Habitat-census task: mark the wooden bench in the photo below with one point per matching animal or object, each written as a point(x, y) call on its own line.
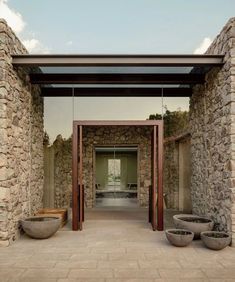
point(50, 212)
point(131, 185)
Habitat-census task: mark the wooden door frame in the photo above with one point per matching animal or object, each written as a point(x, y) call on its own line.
point(77, 168)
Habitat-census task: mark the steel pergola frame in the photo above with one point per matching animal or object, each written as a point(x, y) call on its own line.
point(200, 64)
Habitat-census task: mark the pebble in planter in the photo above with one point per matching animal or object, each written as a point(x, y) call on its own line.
point(194, 223)
point(215, 240)
point(40, 227)
point(179, 237)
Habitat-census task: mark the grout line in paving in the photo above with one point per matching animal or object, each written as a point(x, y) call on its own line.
point(204, 272)
point(219, 262)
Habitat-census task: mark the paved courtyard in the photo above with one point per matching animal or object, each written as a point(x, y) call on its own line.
point(113, 251)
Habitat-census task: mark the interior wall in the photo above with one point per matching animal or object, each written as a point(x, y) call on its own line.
point(101, 170)
point(131, 164)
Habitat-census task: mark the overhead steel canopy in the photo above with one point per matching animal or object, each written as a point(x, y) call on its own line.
point(117, 60)
point(117, 75)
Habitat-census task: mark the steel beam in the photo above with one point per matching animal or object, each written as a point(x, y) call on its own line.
point(117, 78)
point(115, 92)
point(117, 60)
point(117, 122)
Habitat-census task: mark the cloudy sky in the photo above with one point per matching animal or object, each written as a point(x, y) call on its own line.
point(110, 26)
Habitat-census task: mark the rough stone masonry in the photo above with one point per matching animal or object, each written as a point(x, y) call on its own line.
point(21, 140)
point(96, 136)
point(212, 121)
point(58, 166)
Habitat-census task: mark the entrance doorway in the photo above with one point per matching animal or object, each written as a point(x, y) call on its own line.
point(155, 186)
point(115, 178)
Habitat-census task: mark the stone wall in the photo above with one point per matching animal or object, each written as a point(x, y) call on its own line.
point(62, 171)
point(171, 174)
point(21, 135)
point(175, 174)
point(212, 123)
point(58, 173)
point(185, 199)
point(93, 136)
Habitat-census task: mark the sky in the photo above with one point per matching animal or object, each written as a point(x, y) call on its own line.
point(114, 27)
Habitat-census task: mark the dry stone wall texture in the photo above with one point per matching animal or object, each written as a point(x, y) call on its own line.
point(98, 136)
point(176, 157)
point(63, 172)
point(21, 138)
point(58, 168)
point(212, 118)
point(171, 175)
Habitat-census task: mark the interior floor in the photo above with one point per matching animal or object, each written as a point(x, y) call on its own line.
point(117, 202)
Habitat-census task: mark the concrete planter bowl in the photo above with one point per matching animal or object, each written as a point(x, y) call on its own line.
point(179, 237)
point(40, 227)
point(194, 223)
point(215, 240)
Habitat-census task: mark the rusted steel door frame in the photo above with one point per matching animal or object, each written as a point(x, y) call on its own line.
point(160, 210)
point(77, 187)
point(80, 182)
point(157, 169)
point(75, 177)
point(154, 177)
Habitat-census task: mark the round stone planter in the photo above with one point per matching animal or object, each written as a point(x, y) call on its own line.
point(215, 240)
point(194, 223)
point(40, 227)
point(179, 237)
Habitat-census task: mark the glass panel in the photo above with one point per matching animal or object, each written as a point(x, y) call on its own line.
point(114, 172)
point(57, 153)
point(117, 85)
point(118, 69)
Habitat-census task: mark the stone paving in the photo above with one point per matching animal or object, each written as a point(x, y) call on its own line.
point(113, 251)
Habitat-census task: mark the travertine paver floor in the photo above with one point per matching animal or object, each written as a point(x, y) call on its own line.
point(113, 251)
